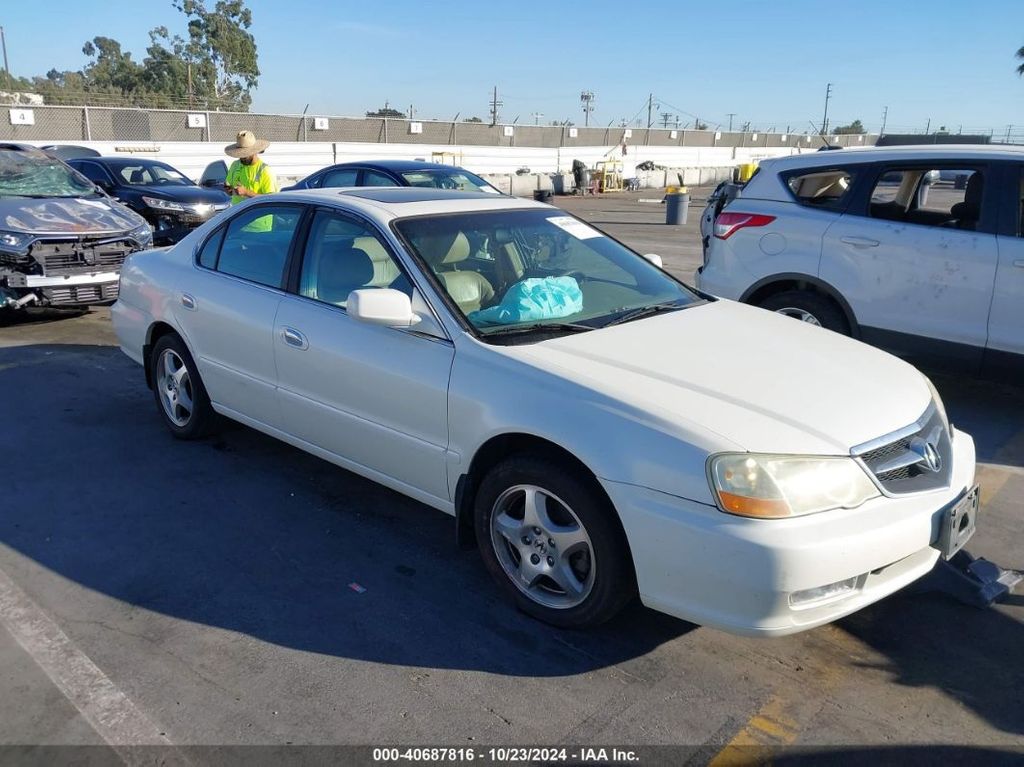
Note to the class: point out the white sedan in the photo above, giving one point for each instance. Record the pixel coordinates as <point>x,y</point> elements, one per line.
<point>602,430</point>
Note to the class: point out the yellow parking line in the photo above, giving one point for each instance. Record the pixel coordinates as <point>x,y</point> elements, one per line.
<point>773,725</point>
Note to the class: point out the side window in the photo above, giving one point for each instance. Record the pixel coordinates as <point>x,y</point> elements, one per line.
<point>821,188</point>
<point>256,243</point>
<point>340,177</point>
<point>93,172</point>
<point>373,178</point>
<point>946,197</point>
<point>211,248</point>
<point>343,255</point>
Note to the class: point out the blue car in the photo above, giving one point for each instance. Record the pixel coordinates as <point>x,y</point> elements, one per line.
<point>395,173</point>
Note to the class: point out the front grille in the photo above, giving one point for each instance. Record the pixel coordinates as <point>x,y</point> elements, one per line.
<point>899,460</point>
<point>81,256</point>
<point>82,294</point>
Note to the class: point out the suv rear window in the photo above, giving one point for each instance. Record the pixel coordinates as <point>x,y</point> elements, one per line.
<point>821,188</point>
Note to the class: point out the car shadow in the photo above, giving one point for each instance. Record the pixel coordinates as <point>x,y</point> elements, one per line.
<point>38,316</point>
<point>931,641</point>
<point>245,533</point>
<point>991,412</point>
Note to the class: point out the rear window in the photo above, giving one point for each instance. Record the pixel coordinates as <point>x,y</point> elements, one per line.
<point>821,188</point>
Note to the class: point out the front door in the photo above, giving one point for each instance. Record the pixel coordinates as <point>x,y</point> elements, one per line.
<point>917,260</point>
<point>373,396</point>
<point>228,305</point>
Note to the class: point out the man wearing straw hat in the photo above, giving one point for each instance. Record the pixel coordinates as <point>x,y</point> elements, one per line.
<point>248,175</point>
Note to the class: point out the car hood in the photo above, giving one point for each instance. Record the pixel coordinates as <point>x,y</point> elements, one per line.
<point>93,215</point>
<point>186,194</point>
<point>757,380</point>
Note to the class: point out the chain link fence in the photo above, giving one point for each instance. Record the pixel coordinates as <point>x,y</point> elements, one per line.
<point>71,124</point>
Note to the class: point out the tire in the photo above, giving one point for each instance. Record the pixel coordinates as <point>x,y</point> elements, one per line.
<point>582,580</point>
<point>807,306</point>
<point>178,390</point>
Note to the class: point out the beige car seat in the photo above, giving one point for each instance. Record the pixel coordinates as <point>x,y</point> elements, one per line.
<point>469,289</point>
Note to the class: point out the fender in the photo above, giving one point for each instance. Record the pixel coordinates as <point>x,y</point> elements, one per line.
<point>819,284</point>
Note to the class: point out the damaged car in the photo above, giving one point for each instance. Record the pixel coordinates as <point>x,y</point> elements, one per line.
<point>62,240</point>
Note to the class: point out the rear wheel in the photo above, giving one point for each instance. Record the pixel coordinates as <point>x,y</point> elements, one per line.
<point>179,392</point>
<point>807,306</point>
<point>552,543</point>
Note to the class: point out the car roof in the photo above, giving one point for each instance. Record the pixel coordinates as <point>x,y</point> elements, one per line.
<point>397,202</point>
<point>397,166</point>
<point>856,155</point>
<point>122,161</point>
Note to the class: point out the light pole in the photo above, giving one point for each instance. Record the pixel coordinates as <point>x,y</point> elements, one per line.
<point>824,120</point>
<point>587,100</point>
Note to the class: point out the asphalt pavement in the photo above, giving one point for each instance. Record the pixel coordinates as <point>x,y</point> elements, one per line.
<point>239,591</point>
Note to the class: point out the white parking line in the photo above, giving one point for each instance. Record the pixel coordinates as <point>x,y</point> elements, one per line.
<point>108,710</point>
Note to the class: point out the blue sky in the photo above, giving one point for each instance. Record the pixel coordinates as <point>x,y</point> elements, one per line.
<point>767,62</point>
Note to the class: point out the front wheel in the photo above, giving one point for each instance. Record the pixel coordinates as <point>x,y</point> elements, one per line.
<point>553,543</point>
<point>179,392</point>
<point>806,306</point>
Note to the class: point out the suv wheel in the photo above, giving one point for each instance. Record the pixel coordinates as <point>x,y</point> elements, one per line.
<point>552,543</point>
<point>806,306</point>
<point>179,392</point>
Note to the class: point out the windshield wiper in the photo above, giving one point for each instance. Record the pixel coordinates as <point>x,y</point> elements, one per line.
<point>643,311</point>
<point>536,327</point>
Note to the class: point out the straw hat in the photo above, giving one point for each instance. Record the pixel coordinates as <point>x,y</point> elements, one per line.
<point>246,145</point>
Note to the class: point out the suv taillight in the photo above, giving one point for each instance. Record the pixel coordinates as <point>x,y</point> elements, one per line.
<point>728,223</point>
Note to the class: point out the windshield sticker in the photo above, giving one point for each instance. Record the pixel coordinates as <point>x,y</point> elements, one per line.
<point>576,228</point>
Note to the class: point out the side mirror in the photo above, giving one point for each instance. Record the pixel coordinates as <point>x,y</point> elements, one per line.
<point>382,306</point>
<point>212,183</point>
<point>655,259</point>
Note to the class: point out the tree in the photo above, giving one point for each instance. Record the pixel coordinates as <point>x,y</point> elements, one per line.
<point>472,120</point>
<point>1020,55</point>
<point>700,125</point>
<point>853,128</point>
<point>218,59</point>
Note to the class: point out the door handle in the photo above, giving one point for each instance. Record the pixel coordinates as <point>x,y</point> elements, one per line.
<point>1019,263</point>
<point>860,242</point>
<point>294,338</point>
<point>188,302</point>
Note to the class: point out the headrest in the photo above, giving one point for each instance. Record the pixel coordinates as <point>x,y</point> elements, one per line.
<point>975,187</point>
<point>342,270</point>
<point>447,248</point>
<point>138,176</point>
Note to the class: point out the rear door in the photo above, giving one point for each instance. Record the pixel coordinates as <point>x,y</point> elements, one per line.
<point>228,305</point>
<point>1006,322</point>
<point>916,259</point>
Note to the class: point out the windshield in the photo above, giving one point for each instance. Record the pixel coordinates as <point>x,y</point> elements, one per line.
<point>149,174</point>
<point>31,174</point>
<point>512,270</point>
<point>457,179</point>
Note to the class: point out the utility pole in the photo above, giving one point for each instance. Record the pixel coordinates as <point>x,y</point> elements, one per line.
<point>536,117</point>
<point>885,116</point>
<point>650,107</point>
<point>587,100</point>
<point>1008,129</point>
<point>666,117</point>
<point>824,119</point>
<point>494,107</point>
<point>7,71</point>
<point>928,126</point>
<point>731,115</point>
<point>411,112</point>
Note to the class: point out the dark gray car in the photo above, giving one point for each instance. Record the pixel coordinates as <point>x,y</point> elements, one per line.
<point>62,240</point>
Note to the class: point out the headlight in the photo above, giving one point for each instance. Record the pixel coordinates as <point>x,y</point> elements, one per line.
<point>143,235</point>
<point>158,204</point>
<point>778,486</point>
<point>15,242</point>
<point>938,402</point>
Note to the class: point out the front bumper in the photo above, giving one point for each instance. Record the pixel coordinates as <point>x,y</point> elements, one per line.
<point>699,564</point>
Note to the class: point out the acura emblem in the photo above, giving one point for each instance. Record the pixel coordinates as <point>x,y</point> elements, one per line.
<point>930,458</point>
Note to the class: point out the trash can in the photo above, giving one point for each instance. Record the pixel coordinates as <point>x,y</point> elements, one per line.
<point>542,195</point>
<point>677,205</point>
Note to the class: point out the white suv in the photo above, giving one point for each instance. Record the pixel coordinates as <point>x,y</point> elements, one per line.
<point>916,249</point>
